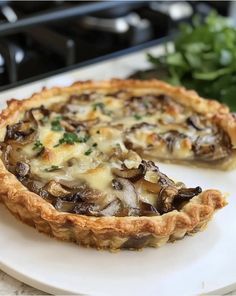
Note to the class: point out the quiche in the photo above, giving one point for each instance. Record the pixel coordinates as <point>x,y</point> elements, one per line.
<point>81,163</point>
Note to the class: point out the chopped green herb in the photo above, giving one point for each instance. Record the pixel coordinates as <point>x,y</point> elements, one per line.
<point>137,117</point>
<point>52,168</point>
<point>56,124</point>
<point>145,104</point>
<point>98,106</point>
<point>88,152</point>
<point>94,144</point>
<point>38,145</point>
<point>109,112</point>
<point>71,138</point>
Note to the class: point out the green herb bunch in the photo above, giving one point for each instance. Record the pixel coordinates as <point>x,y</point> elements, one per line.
<point>204,59</point>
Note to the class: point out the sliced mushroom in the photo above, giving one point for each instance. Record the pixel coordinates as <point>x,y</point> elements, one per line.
<point>64,206</point>
<point>22,169</point>
<point>194,121</point>
<point>6,149</point>
<point>132,174</point>
<point>212,147</point>
<point>149,186</point>
<point>73,184</point>
<point>164,180</point>
<point>187,193</point>
<point>112,209</point>
<point>128,196</point>
<point>55,189</point>
<point>184,195</point>
<point>85,208</point>
<point>171,138</point>
<point>11,154</point>
<point>167,196</point>
<point>73,197</point>
<point>116,184</point>
<point>23,132</point>
<point>36,187</point>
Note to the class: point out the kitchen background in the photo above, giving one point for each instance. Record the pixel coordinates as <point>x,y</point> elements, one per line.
<point>41,38</point>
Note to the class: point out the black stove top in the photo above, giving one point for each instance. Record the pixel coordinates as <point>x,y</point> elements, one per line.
<point>40,38</point>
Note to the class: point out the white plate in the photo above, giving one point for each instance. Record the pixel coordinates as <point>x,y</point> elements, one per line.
<point>199,264</point>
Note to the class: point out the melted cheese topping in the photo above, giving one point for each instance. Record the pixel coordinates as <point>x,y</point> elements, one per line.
<point>103,129</point>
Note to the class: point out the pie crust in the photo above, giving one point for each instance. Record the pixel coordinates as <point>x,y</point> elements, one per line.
<point>113,232</point>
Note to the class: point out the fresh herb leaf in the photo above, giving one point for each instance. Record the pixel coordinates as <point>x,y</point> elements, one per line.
<point>94,144</point>
<point>38,145</point>
<point>88,152</point>
<point>137,116</point>
<point>53,168</point>
<point>71,138</point>
<point>56,124</point>
<point>97,106</point>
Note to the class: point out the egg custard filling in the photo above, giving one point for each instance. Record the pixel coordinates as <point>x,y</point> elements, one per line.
<point>92,152</point>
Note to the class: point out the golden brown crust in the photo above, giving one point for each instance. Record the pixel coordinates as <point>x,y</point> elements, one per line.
<point>106,232</point>
<point>110,232</point>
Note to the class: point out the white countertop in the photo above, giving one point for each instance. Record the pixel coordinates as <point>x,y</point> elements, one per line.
<point>117,68</point>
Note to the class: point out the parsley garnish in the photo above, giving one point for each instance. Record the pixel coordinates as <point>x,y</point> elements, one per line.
<point>204,59</point>
<point>88,152</point>
<point>38,145</point>
<point>137,117</point>
<point>71,138</point>
<point>53,168</point>
<point>94,144</point>
<point>98,106</point>
<point>56,124</point>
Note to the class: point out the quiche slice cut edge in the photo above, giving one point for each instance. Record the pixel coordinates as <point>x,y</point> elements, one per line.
<point>77,162</point>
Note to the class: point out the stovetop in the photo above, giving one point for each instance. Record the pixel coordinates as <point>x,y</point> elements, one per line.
<point>38,39</point>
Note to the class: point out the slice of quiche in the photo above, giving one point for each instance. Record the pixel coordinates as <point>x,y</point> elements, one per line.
<point>79,163</point>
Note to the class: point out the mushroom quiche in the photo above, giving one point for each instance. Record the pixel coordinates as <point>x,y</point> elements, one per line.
<point>79,163</point>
